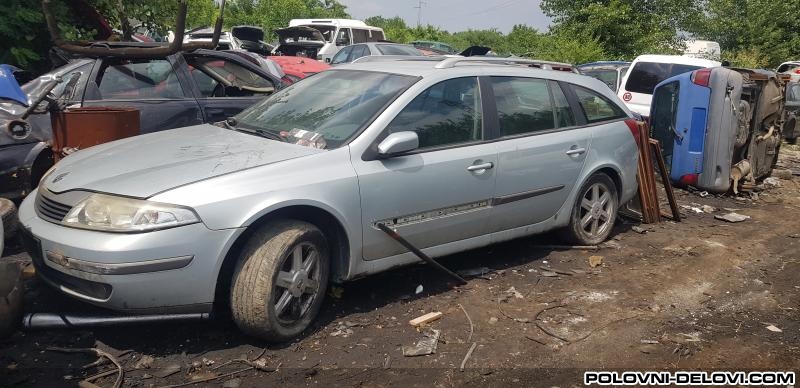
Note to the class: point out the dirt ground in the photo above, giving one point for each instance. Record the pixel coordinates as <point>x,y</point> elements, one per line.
<point>702,294</point>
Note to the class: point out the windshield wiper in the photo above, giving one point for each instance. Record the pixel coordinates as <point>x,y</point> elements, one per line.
<point>231,123</point>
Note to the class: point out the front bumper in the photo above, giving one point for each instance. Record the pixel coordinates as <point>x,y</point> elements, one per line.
<point>121,271</point>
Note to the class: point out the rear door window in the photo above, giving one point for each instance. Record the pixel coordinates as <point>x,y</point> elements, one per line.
<point>646,75</point>
<point>138,79</point>
<point>358,52</point>
<point>608,76</point>
<point>597,108</point>
<point>524,105</point>
<point>447,113</point>
<point>397,49</point>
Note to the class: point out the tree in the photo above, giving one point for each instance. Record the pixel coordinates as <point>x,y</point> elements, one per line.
<point>755,33</point>
<point>624,28</point>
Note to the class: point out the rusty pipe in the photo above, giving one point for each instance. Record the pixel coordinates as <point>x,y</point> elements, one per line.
<point>39,321</point>
<point>92,49</point>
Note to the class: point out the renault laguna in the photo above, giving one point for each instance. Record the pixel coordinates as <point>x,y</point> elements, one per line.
<point>259,213</point>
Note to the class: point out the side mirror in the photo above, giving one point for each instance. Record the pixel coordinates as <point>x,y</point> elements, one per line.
<point>397,143</point>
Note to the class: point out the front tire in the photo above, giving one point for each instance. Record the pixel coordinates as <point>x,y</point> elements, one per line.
<point>594,212</point>
<point>279,283</point>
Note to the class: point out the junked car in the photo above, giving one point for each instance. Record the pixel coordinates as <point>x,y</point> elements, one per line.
<point>719,127</point>
<point>178,90</point>
<point>260,213</point>
<point>610,72</point>
<point>353,52</point>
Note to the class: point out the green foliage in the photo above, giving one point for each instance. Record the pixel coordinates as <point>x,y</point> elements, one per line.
<point>624,28</point>
<point>752,31</point>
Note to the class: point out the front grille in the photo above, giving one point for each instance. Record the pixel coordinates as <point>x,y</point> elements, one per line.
<point>51,210</point>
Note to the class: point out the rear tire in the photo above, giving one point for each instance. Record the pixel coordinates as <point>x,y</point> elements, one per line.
<point>279,283</point>
<point>8,214</point>
<point>594,212</point>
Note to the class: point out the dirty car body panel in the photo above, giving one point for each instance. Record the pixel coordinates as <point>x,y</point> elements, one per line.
<point>445,196</point>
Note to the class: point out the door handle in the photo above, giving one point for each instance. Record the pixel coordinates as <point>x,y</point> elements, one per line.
<point>576,151</point>
<point>482,166</point>
<point>215,111</point>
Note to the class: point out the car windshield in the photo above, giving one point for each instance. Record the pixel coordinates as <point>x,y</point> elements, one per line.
<point>324,111</point>
<point>646,75</point>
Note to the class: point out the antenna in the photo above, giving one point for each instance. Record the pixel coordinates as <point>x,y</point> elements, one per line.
<point>419,11</point>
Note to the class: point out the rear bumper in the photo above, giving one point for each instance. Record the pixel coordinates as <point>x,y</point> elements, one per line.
<point>166,271</point>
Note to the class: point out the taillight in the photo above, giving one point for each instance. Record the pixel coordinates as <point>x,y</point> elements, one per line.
<point>701,77</point>
<point>689,179</point>
<point>797,71</point>
<point>634,127</point>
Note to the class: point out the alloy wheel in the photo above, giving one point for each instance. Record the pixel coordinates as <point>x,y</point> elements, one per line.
<point>297,283</point>
<point>597,210</point>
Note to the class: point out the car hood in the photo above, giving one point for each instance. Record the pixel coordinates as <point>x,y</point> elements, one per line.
<point>251,33</point>
<point>143,166</point>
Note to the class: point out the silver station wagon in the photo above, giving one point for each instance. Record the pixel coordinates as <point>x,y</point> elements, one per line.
<point>259,213</point>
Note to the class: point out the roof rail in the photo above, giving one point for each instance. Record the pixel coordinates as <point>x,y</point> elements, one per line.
<point>393,58</point>
<point>451,62</point>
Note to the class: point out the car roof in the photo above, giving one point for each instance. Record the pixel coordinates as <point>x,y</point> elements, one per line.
<point>455,66</point>
<point>677,59</point>
<point>603,64</point>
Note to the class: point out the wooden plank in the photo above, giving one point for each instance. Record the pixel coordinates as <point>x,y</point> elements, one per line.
<point>673,204</point>
<point>427,318</point>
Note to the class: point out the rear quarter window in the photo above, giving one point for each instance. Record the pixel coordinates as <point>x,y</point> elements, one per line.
<point>644,76</point>
<point>596,107</point>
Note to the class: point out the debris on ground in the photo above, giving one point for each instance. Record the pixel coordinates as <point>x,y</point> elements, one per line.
<point>467,356</point>
<point>772,182</point>
<point>695,209</point>
<point>732,217</point>
<point>342,330</point>
<point>774,328</point>
<point>418,290</point>
<point>424,346</point>
<point>424,319</point>
<point>638,229</point>
<point>492,320</point>
<point>512,293</point>
<point>595,261</point>
<point>479,272</point>
<point>708,209</point>
<point>145,362</point>
<point>167,370</point>
<point>549,274</point>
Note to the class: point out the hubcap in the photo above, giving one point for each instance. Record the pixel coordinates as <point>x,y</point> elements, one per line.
<point>597,210</point>
<point>297,283</point>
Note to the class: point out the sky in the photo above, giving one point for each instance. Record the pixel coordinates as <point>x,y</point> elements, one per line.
<point>455,15</point>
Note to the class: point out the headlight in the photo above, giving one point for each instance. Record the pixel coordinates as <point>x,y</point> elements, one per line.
<point>110,213</point>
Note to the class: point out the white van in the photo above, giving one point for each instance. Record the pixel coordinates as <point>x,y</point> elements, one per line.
<point>704,49</point>
<point>334,34</point>
<point>647,71</point>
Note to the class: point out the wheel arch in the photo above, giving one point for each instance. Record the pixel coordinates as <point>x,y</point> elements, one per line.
<point>326,221</point>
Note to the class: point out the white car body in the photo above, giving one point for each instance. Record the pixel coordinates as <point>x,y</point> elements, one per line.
<point>638,95</point>
<point>339,33</point>
<point>703,49</point>
<point>792,68</point>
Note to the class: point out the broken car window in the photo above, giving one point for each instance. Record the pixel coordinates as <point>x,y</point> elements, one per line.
<point>336,105</point>
<point>221,78</point>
